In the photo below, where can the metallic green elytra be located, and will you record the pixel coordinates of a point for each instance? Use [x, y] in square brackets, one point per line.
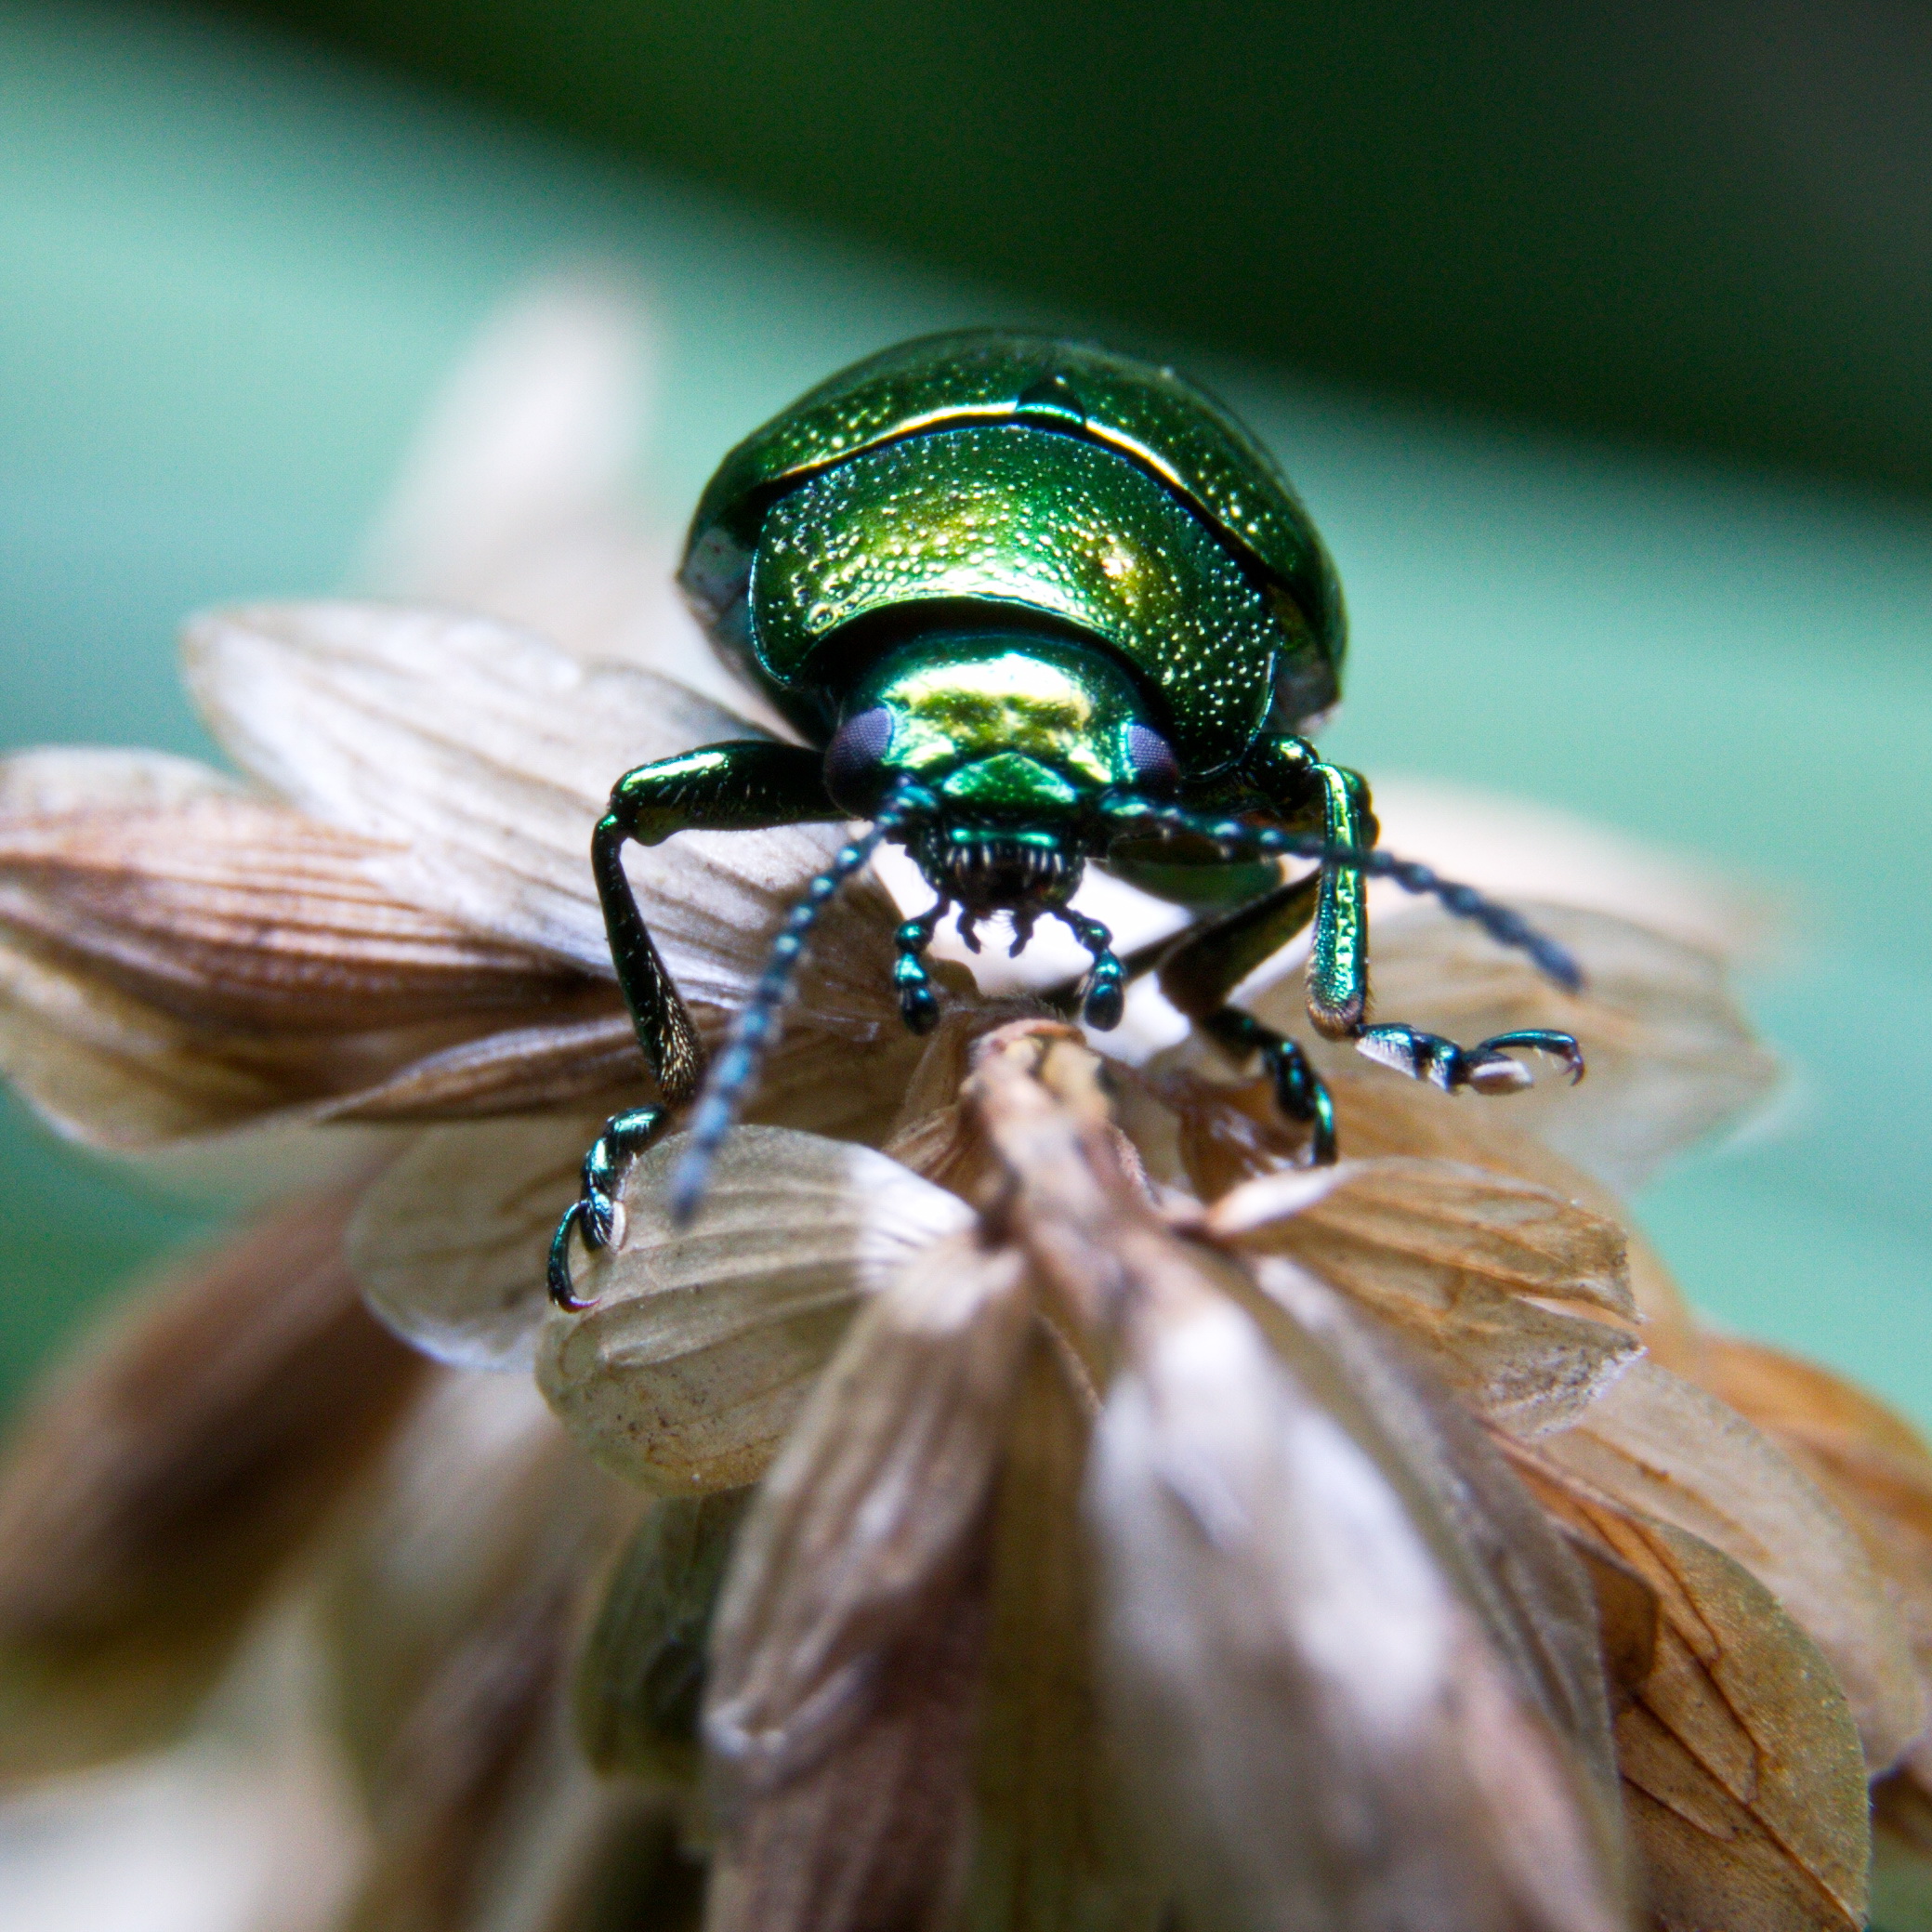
[1028, 605]
[1044, 475]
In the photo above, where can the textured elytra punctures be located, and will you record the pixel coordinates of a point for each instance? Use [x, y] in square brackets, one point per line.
[1145, 420]
[1016, 515]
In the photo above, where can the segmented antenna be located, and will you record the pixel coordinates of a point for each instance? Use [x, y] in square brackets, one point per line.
[1236, 837]
[736, 1067]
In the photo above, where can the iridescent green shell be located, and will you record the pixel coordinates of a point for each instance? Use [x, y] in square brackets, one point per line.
[1053, 477]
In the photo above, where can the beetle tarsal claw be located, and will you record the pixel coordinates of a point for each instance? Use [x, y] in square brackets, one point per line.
[564, 1290]
[597, 1213]
[1561, 1047]
[1488, 1066]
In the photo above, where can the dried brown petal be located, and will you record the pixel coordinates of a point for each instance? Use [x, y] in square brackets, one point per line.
[704, 1342]
[1228, 1132]
[160, 1487]
[876, 1491]
[113, 1069]
[1488, 1275]
[1050, 1853]
[178, 957]
[1066, 1189]
[107, 1069]
[1660, 1444]
[1496, 1543]
[1872, 1464]
[233, 911]
[1745, 1785]
[1628, 1617]
[840, 1701]
[555, 1064]
[1672, 1058]
[487, 755]
[816, 1079]
[1877, 1472]
[1060, 1178]
[1317, 1728]
[588, 1049]
[452, 1615]
[871, 1834]
[1071, 1194]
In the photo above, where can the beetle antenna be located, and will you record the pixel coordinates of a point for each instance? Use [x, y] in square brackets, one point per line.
[736, 1067]
[1237, 837]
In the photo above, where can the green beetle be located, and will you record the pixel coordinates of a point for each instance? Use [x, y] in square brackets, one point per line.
[1029, 604]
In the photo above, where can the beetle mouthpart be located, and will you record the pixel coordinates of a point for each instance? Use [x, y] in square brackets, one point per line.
[1005, 875]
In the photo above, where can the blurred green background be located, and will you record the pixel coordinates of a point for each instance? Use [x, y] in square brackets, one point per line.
[1596, 340]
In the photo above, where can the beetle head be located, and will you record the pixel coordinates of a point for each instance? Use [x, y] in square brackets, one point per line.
[1015, 736]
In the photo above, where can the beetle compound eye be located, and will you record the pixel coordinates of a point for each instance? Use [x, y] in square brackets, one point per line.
[855, 758]
[1156, 769]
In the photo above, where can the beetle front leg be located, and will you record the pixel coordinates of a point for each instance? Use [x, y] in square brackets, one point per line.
[1486, 1068]
[1339, 979]
[598, 1212]
[1198, 974]
[739, 787]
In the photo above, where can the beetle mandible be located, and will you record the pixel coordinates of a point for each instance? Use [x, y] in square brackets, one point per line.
[1029, 604]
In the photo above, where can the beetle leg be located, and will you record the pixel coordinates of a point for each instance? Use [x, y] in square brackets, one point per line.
[739, 787]
[1304, 790]
[1338, 963]
[598, 1212]
[1198, 972]
[1200, 969]
[1211, 960]
[1485, 1068]
[1301, 785]
[1299, 1091]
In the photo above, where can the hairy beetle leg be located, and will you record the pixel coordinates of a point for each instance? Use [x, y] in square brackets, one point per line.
[1299, 1091]
[1485, 1068]
[597, 1213]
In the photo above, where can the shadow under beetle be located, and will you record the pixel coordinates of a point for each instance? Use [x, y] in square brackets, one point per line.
[1029, 604]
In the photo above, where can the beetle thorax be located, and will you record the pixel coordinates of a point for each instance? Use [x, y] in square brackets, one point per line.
[1015, 736]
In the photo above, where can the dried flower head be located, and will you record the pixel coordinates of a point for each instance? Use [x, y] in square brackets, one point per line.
[1024, 1498]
